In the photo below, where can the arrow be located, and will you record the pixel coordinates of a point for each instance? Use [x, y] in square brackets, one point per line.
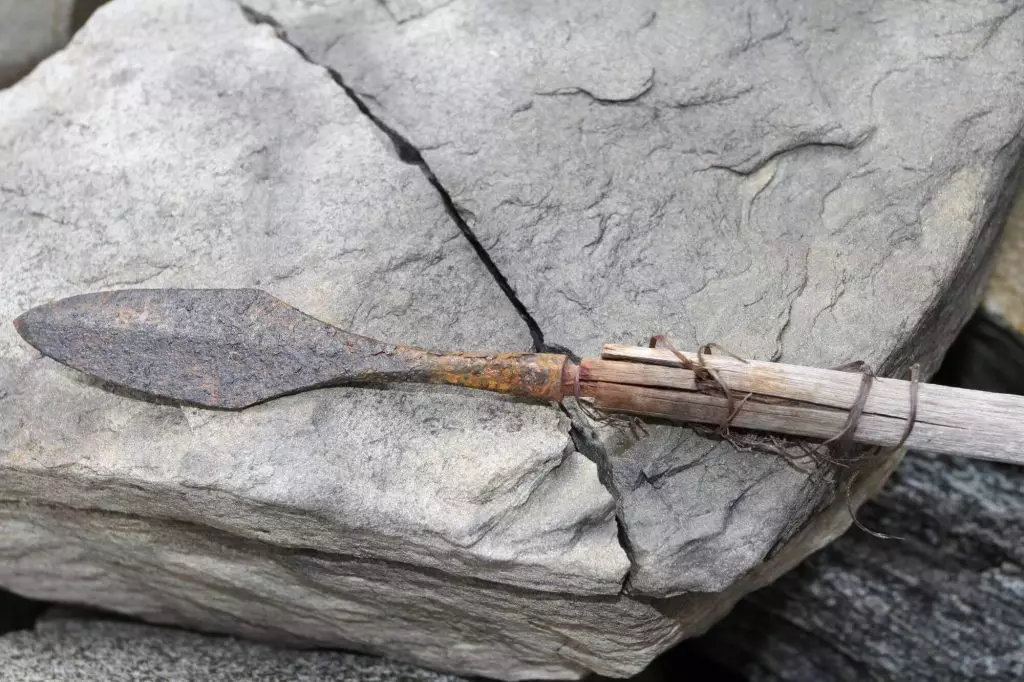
[232, 348]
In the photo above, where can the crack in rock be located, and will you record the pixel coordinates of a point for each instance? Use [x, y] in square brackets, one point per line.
[752, 166]
[629, 98]
[404, 11]
[408, 153]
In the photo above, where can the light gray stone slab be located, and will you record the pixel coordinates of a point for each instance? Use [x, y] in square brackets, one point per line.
[815, 182]
[179, 573]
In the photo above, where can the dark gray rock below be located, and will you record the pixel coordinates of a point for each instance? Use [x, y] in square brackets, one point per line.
[945, 603]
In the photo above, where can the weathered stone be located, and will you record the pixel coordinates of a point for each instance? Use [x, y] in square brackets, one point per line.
[65, 646]
[178, 573]
[177, 144]
[806, 181]
[698, 515]
[30, 32]
[181, 573]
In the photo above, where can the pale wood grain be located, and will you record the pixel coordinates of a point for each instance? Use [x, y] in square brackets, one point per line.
[949, 420]
[636, 373]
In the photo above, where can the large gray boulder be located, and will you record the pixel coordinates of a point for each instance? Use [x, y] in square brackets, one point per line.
[479, 175]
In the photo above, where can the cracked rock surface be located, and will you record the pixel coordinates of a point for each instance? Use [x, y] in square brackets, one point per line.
[812, 182]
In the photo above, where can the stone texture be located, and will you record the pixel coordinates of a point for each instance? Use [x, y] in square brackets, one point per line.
[184, 574]
[66, 647]
[179, 573]
[595, 161]
[177, 144]
[775, 177]
[679, 541]
[30, 31]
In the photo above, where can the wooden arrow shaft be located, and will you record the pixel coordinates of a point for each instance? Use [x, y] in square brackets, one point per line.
[806, 402]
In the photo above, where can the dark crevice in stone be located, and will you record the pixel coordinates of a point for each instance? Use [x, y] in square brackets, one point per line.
[539, 345]
[748, 168]
[409, 154]
[627, 547]
[17, 612]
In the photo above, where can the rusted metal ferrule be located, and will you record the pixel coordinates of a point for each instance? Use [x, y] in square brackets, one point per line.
[537, 376]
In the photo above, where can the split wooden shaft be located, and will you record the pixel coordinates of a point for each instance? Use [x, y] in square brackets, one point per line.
[807, 402]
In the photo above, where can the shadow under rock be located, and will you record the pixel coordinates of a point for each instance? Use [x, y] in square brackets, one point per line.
[81, 12]
[17, 612]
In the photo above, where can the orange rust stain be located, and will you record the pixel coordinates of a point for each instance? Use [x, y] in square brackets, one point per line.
[529, 375]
